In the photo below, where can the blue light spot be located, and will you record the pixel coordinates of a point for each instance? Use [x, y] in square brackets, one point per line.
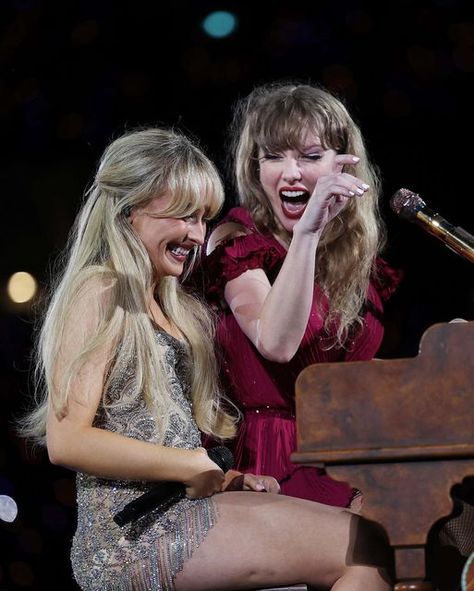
[219, 24]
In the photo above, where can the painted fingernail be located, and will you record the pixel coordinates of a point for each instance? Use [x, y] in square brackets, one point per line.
[365, 186]
[360, 191]
[355, 158]
[351, 193]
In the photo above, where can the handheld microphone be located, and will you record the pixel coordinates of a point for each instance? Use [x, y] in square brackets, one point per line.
[168, 493]
[410, 206]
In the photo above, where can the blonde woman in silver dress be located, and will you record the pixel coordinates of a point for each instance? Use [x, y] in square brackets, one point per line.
[127, 384]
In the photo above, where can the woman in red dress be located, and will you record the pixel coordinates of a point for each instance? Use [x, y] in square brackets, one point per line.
[295, 272]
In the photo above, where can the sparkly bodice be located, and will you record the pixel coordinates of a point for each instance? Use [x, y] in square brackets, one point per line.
[100, 547]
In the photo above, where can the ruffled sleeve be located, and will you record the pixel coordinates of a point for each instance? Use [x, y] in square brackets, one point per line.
[386, 279]
[233, 257]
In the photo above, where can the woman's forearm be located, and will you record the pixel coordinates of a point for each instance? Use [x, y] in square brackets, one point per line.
[286, 310]
[110, 455]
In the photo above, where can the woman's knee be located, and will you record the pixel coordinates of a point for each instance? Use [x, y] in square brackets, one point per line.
[369, 545]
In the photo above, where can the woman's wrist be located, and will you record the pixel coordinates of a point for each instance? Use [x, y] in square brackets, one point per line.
[305, 242]
[302, 233]
[179, 464]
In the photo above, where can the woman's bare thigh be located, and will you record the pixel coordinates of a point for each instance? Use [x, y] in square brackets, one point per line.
[264, 539]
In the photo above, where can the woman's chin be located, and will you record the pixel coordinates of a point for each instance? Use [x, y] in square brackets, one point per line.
[293, 212]
[288, 219]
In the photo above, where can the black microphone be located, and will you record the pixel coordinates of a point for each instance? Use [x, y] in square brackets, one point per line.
[410, 206]
[168, 493]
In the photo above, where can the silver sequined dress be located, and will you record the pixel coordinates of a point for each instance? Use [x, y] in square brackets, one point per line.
[146, 554]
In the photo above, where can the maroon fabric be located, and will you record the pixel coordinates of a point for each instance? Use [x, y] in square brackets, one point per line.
[264, 390]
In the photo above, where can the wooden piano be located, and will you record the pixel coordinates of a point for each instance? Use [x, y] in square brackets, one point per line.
[400, 430]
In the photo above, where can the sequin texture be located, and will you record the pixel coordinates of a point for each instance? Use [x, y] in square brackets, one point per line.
[147, 554]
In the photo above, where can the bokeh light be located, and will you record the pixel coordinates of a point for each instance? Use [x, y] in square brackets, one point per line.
[21, 287]
[219, 24]
[8, 509]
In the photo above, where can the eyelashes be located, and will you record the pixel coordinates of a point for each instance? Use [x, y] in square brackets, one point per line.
[313, 157]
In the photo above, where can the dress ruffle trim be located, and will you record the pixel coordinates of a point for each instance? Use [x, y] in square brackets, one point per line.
[157, 572]
[237, 255]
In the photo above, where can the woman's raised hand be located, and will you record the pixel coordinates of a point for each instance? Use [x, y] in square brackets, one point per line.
[330, 196]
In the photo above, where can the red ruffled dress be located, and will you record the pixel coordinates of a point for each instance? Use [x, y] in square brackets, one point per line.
[265, 390]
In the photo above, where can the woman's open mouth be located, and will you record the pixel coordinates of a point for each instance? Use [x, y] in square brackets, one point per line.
[293, 202]
[178, 252]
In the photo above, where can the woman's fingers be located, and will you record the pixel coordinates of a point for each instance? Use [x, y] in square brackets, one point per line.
[343, 184]
[342, 160]
[346, 159]
[330, 196]
[260, 483]
[205, 484]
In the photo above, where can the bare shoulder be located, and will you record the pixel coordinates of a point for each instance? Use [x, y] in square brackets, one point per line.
[225, 232]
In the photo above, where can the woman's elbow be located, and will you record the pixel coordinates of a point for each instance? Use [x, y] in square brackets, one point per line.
[56, 453]
[58, 449]
[278, 353]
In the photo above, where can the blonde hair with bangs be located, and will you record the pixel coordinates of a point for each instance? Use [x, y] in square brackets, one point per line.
[277, 117]
[105, 255]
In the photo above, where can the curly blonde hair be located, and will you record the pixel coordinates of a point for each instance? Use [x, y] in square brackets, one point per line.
[276, 117]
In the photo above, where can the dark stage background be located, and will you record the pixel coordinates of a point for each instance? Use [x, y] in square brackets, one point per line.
[75, 74]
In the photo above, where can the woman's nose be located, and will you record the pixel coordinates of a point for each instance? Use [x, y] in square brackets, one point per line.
[291, 170]
[197, 233]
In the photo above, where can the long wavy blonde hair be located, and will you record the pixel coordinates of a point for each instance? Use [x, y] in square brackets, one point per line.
[276, 117]
[105, 250]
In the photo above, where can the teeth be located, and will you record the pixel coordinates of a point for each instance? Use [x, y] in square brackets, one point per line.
[293, 194]
[179, 250]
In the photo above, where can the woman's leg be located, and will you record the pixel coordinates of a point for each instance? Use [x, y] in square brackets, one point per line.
[263, 540]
